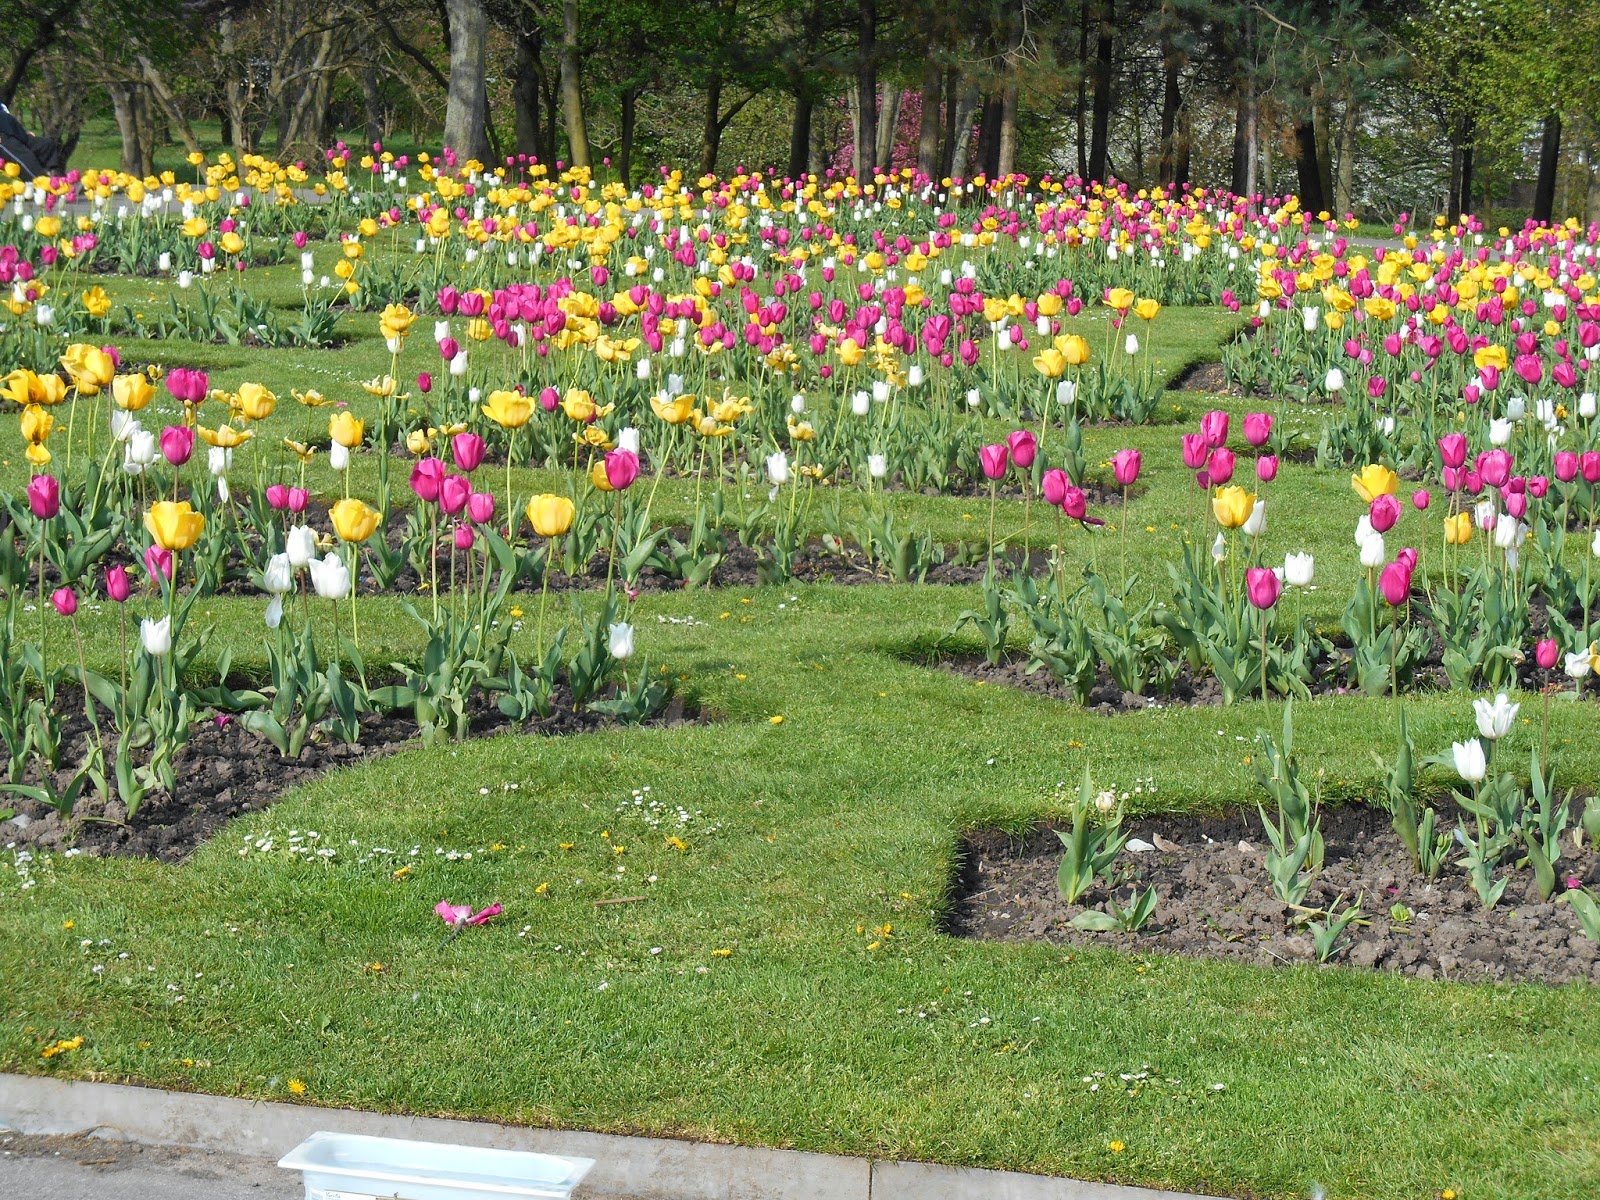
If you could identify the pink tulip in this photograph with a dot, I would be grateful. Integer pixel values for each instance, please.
(468, 451)
(1257, 428)
(1075, 504)
(1589, 465)
(1538, 486)
(1420, 499)
(480, 507)
(278, 496)
(158, 562)
(65, 600)
(549, 399)
(1517, 504)
(1220, 466)
(427, 477)
(1385, 511)
(298, 499)
(1495, 467)
(177, 444)
(1263, 586)
(44, 496)
(1267, 468)
(1053, 485)
(454, 492)
(1453, 449)
(1547, 653)
(1395, 584)
(1407, 558)
(1125, 466)
(993, 459)
(462, 914)
(1195, 451)
(1214, 428)
(1023, 446)
(118, 586)
(424, 382)
(1566, 466)
(464, 537)
(622, 468)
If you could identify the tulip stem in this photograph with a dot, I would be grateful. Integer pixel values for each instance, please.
(355, 580)
(1264, 612)
(1122, 533)
(544, 591)
(511, 508)
(992, 488)
(433, 559)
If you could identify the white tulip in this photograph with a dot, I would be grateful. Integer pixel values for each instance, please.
(185, 278)
(1066, 392)
(1373, 554)
(1364, 529)
(1586, 405)
(44, 315)
(1309, 318)
(219, 459)
(641, 369)
(1499, 431)
(338, 456)
(278, 578)
(861, 404)
(156, 636)
(621, 641)
(1131, 343)
(778, 468)
(1469, 759)
(1483, 515)
(123, 425)
(223, 494)
(878, 467)
(974, 398)
(914, 375)
(1298, 569)
(1495, 717)
(1595, 545)
(330, 577)
(274, 616)
(1219, 549)
(164, 261)
(628, 439)
(1334, 381)
(881, 390)
(1577, 664)
(1256, 523)
(301, 547)
(1509, 533)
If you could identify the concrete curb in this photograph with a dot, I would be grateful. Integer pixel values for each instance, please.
(627, 1168)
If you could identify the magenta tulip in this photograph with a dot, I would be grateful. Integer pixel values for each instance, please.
(1195, 451)
(1420, 499)
(1023, 447)
(994, 460)
(278, 496)
(177, 444)
(468, 451)
(1257, 428)
(298, 499)
(622, 468)
(1385, 511)
(158, 562)
(1452, 449)
(424, 382)
(1395, 584)
(1075, 504)
(480, 507)
(1263, 586)
(1125, 466)
(464, 537)
(1053, 485)
(427, 477)
(1221, 466)
(1547, 653)
(1589, 466)
(1495, 467)
(454, 493)
(65, 600)
(1214, 428)
(118, 586)
(44, 496)
(1267, 468)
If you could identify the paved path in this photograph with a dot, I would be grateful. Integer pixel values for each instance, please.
(88, 1168)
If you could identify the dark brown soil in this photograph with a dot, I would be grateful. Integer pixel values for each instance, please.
(1215, 900)
(225, 771)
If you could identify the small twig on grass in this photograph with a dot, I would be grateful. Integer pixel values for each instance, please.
(621, 900)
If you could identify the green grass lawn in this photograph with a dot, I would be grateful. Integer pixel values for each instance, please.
(784, 979)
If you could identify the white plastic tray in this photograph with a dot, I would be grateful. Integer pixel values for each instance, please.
(340, 1166)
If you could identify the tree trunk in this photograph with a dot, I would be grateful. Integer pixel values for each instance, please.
(1242, 173)
(928, 130)
(372, 104)
(1008, 129)
(123, 107)
(1544, 191)
(961, 141)
(800, 132)
(169, 104)
(711, 130)
(866, 130)
(1180, 164)
(1082, 109)
(1166, 167)
(236, 95)
(466, 105)
(1345, 177)
(1308, 163)
(1099, 145)
(525, 90)
(630, 123)
(953, 95)
(572, 87)
(888, 121)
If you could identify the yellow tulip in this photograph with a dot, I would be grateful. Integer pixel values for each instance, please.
(417, 442)
(598, 476)
(96, 303)
(383, 385)
(850, 353)
(550, 515)
(36, 424)
(91, 368)
(47, 227)
(255, 403)
(37, 454)
(579, 405)
(173, 525)
(1147, 309)
(225, 436)
(1379, 308)
(1489, 356)
(1050, 363)
(1375, 480)
(346, 429)
(49, 389)
(231, 243)
(132, 392)
(1073, 348)
(509, 410)
(353, 520)
(195, 227)
(1049, 304)
(311, 398)
(673, 412)
(1233, 506)
(1120, 299)
(396, 321)
(1458, 529)
(19, 386)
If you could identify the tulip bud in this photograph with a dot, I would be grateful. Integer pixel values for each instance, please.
(118, 586)
(1547, 653)
(464, 537)
(298, 499)
(1267, 468)
(65, 600)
